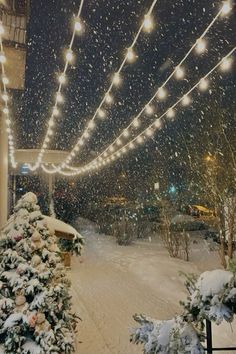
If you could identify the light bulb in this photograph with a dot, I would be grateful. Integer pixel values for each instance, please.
(59, 97)
(170, 113)
(5, 97)
(50, 132)
(81, 142)
(200, 46)
(226, 8)
(101, 113)
(179, 73)
(78, 25)
(108, 98)
(2, 58)
(161, 93)
(203, 84)
(62, 79)
(51, 123)
(118, 142)
(130, 56)
(91, 124)
(148, 23)
(111, 148)
(140, 139)
(226, 64)
(117, 79)
(131, 145)
(47, 139)
(136, 123)
(69, 55)
(157, 123)
(8, 122)
(5, 110)
(55, 111)
(126, 133)
(149, 132)
(149, 109)
(5, 80)
(186, 100)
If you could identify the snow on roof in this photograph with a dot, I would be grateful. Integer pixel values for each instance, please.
(59, 225)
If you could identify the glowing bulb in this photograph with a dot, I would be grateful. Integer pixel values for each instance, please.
(78, 25)
(62, 79)
(149, 132)
(131, 145)
(136, 123)
(149, 109)
(77, 148)
(130, 56)
(101, 113)
(47, 139)
(226, 8)
(69, 55)
(2, 58)
(203, 84)
(200, 46)
(186, 100)
(91, 124)
(1, 29)
(8, 122)
(171, 113)
(5, 110)
(51, 123)
(126, 133)
(111, 148)
(226, 64)
(179, 73)
(148, 23)
(140, 139)
(161, 93)
(50, 132)
(5, 97)
(5, 80)
(55, 111)
(59, 97)
(109, 98)
(117, 79)
(157, 123)
(81, 142)
(118, 142)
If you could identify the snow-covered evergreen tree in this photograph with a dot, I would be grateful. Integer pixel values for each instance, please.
(35, 305)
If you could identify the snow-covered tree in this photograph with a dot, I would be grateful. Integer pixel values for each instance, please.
(35, 304)
(212, 296)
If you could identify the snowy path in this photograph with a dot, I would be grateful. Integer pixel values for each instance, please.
(112, 283)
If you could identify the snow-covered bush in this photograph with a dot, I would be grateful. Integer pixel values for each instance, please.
(212, 296)
(73, 246)
(167, 337)
(35, 305)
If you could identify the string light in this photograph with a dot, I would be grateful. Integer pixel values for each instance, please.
(186, 100)
(227, 7)
(5, 80)
(201, 46)
(117, 79)
(2, 58)
(5, 97)
(157, 123)
(101, 113)
(69, 56)
(149, 109)
(108, 98)
(170, 113)
(130, 56)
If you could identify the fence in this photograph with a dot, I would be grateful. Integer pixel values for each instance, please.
(209, 349)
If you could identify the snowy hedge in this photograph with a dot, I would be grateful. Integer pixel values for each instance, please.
(212, 296)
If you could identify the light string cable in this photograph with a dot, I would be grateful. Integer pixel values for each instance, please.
(5, 98)
(78, 27)
(224, 64)
(161, 93)
(130, 56)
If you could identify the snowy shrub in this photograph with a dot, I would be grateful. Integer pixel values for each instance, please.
(73, 246)
(35, 304)
(212, 296)
(174, 336)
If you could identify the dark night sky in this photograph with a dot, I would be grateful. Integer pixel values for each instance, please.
(110, 27)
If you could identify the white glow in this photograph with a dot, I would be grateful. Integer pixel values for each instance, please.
(201, 46)
(171, 113)
(149, 132)
(148, 23)
(59, 97)
(50, 132)
(78, 25)
(5, 80)
(203, 84)
(117, 79)
(140, 139)
(226, 8)
(118, 142)
(149, 109)
(5, 97)
(157, 123)
(161, 93)
(101, 113)
(91, 124)
(179, 73)
(62, 79)
(69, 55)
(130, 56)
(186, 100)
(5, 110)
(126, 133)
(8, 122)
(86, 134)
(136, 123)
(226, 64)
(111, 148)
(109, 98)
(2, 58)
(55, 111)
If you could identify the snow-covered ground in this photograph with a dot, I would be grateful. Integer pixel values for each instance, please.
(110, 283)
